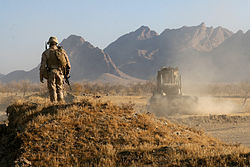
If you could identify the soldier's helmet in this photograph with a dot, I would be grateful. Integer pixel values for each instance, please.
(53, 40)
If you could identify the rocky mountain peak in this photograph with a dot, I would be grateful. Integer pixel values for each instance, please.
(143, 28)
(76, 38)
(200, 38)
(72, 41)
(202, 24)
(144, 33)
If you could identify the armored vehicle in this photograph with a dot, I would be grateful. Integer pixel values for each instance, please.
(167, 98)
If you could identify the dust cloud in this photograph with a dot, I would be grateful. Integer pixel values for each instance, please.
(215, 106)
(192, 105)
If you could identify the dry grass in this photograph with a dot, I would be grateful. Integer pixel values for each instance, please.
(95, 133)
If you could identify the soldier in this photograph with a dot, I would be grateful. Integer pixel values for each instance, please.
(54, 66)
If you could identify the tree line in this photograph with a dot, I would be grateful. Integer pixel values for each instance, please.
(144, 88)
(80, 88)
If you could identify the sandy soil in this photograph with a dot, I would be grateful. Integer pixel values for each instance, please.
(239, 133)
(229, 128)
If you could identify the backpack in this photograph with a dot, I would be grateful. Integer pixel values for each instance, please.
(57, 58)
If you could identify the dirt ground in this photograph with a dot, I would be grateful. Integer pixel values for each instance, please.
(231, 125)
(229, 128)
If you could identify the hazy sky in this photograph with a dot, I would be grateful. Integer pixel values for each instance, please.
(26, 24)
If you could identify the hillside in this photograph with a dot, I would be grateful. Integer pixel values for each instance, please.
(114, 79)
(92, 133)
(232, 58)
(88, 62)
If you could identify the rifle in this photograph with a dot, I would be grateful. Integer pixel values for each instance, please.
(44, 73)
(46, 45)
(66, 76)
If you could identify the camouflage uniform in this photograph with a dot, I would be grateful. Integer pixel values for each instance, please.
(50, 69)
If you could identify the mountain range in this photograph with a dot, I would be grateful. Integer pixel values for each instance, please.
(202, 53)
(142, 52)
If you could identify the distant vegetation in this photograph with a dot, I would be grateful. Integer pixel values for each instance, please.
(81, 88)
(145, 88)
(228, 89)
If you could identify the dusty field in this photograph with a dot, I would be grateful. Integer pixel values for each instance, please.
(229, 121)
(224, 118)
(229, 128)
